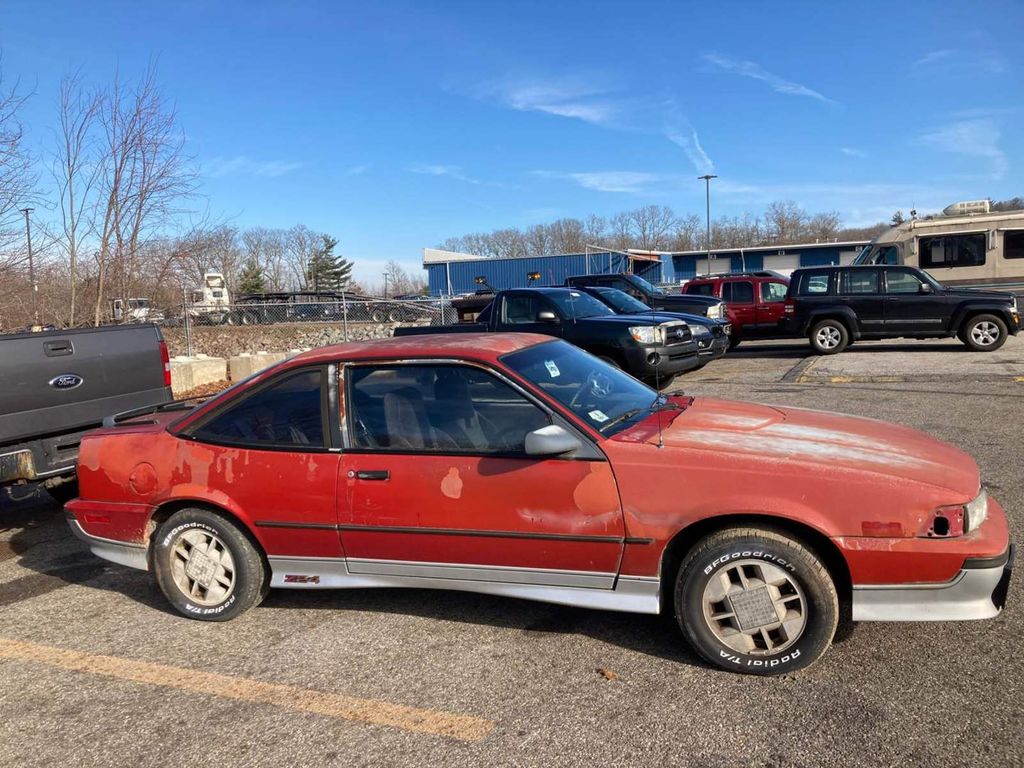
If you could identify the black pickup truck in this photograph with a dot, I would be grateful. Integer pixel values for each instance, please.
(56, 385)
(647, 346)
(652, 296)
(834, 306)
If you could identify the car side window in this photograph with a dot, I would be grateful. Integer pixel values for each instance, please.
(702, 289)
(899, 281)
(442, 408)
(520, 310)
(771, 292)
(288, 413)
(856, 282)
(738, 293)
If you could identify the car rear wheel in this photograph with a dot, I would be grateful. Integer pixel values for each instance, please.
(756, 601)
(207, 567)
(984, 333)
(829, 337)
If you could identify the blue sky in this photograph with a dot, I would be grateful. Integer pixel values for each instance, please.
(395, 125)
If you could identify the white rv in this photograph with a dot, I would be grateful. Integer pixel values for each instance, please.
(967, 245)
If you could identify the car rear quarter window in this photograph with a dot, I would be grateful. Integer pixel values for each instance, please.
(812, 283)
(287, 413)
(857, 282)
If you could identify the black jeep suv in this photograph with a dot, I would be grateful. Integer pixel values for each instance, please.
(833, 306)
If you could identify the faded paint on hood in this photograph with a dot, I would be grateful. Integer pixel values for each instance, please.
(815, 437)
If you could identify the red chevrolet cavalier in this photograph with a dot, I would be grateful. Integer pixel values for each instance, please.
(522, 466)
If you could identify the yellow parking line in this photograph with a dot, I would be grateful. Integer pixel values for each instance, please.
(431, 721)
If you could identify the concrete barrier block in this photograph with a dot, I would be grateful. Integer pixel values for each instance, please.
(191, 372)
(244, 365)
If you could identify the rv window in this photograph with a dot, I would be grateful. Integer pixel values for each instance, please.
(1013, 244)
(952, 251)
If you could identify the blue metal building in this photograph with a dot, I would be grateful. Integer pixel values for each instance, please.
(450, 274)
(454, 273)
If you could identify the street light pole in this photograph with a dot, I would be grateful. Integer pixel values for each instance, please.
(707, 198)
(385, 285)
(31, 267)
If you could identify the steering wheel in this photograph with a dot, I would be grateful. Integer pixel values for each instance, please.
(598, 385)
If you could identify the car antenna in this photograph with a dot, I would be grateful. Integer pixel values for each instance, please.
(657, 392)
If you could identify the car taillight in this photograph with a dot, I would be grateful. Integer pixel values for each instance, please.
(165, 358)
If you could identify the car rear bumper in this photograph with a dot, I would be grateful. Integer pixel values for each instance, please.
(978, 591)
(122, 553)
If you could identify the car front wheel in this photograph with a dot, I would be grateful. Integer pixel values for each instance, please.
(829, 337)
(207, 567)
(756, 601)
(984, 333)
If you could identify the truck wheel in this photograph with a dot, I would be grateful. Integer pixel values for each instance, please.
(661, 383)
(756, 601)
(984, 333)
(734, 342)
(610, 361)
(829, 337)
(207, 567)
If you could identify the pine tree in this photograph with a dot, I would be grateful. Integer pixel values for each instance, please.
(252, 279)
(328, 271)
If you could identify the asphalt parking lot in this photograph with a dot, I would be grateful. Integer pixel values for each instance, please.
(96, 670)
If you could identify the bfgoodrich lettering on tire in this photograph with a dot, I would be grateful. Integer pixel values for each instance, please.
(757, 601)
(207, 567)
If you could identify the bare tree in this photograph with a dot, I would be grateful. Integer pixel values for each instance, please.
(651, 226)
(301, 245)
(75, 171)
(17, 180)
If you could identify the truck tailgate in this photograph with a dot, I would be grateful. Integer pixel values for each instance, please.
(65, 381)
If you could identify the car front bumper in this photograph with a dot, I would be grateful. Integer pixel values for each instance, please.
(978, 591)
(650, 361)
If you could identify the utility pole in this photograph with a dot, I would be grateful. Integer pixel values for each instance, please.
(31, 267)
(707, 198)
(385, 285)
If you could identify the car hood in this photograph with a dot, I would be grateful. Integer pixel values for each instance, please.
(818, 438)
(630, 320)
(978, 293)
(689, 299)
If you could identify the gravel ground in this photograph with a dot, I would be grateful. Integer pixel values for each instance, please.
(885, 694)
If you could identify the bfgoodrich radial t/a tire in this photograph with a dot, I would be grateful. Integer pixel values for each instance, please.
(756, 601)
(207, 567)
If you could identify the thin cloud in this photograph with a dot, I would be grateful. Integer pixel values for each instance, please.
(853, 152)
(449, 171)
(626, 182)
(565, 97)
(973, 138)
(356, 170)
(934, 57)
(242, 165)
(753, 70)
(690, 143)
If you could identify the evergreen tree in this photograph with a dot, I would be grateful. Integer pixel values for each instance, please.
(252, 279)
(328, 271)
(897, 218)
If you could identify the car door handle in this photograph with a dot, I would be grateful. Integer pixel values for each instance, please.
(371, 474)
(57, 348)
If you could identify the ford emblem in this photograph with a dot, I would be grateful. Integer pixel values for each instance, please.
(66, 381)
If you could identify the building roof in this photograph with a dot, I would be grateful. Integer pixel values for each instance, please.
(843, 244)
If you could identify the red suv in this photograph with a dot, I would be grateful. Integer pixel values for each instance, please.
(755, 302)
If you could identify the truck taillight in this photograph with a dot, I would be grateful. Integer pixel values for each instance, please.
(790, 307)
(165, 358)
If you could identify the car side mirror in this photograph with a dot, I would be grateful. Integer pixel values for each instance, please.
(925, 288)
(551, 440)
(547, 316)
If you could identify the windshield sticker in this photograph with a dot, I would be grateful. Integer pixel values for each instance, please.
(598, 416)
(553, 371)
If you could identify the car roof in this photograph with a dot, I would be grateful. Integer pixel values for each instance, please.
(487, 347)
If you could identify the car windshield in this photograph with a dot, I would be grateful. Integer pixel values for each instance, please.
(646, 286)
(622, 302)
(862, 257)
(599, 394)
(574, 304)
